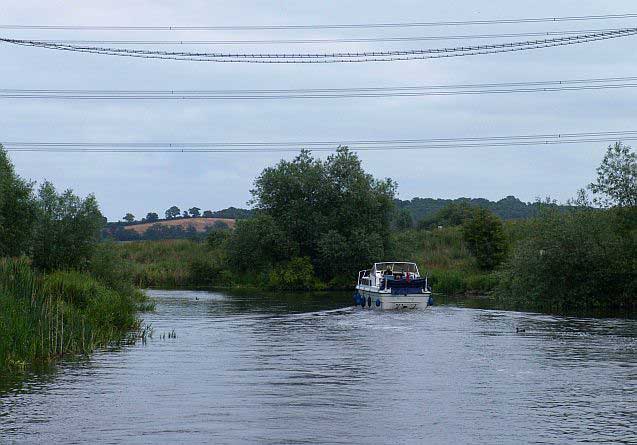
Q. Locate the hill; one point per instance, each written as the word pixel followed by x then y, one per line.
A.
pixel 506 208
pixel 199 224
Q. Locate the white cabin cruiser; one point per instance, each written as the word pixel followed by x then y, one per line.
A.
pixel 393 285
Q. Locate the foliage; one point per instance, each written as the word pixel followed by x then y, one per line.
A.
pixel 195 212
pixel 217 238
pixel 258 243
pixel 67 229
pixel 151 217
pixel 442 254
pixel 404 220
pixel 484 236
pixel 453 214
pixel 17 210
pixel 46 317
pixel 173 212
pixel 578 260
pixel 129 218
pixel 314 203
pixel 616 183
pixel 296 274
pixel 509 208
pixel 207 214
pixel 232 213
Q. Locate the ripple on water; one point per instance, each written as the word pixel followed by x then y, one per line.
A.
pixel 291 369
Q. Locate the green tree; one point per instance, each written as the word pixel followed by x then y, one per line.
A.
pixel 616 183
pixel 129 218
pixel 17 210
pixel 404 220
pixel 307 198
pixel 484 236
pixel 208 214
pixel 173 212
pixel 579 259
pixel 152 217
pixel 258 243
pixel 67 229
pixel 195 212
pixel 452 214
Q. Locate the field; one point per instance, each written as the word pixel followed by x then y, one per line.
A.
pixel 200 224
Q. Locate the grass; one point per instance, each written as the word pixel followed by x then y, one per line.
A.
pixel 45 317
pixel 443 256
pixel 172 263
pixel 441 253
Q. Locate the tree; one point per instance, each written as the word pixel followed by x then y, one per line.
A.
pixel 129 218
pixel 67 229
pixel 404 220
pixel 185 214
pixel 208 214
pixel 452 214
pixel 616 183
pixel 195 212
pixel 308 198
pixel 258 243
pixel 173 212
pixel 17 210
pixel 152 217
pixel 484 235
pixel 578 259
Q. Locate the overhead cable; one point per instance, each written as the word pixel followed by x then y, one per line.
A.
pixel 356 145
pixel 335 57
pixel 322 26
pixel 328 93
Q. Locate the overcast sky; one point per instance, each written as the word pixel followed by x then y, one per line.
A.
pixel 140 183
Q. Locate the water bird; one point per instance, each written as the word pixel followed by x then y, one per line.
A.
pixel 520 330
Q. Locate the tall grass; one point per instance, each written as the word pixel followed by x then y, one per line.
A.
pixel 174 263
pixel 44 317
pixel 444 257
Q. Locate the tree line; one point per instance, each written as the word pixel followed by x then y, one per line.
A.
pixel 174 212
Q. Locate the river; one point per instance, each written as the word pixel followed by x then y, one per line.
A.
pixel 312 369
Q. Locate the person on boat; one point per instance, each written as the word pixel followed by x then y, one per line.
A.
pixel 388 271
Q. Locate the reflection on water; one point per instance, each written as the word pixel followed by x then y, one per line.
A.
pixel 249 368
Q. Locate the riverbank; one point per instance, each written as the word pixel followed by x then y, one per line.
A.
pixel 171 264
pixel 44 317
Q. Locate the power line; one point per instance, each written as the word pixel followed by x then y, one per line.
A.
pixel 355 145
pixel 316 41
pixel 320 26
pixel 336 57
pixel 328 93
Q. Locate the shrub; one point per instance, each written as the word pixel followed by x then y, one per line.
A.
pixel 576 260
pixel 296 274
pixel 484 236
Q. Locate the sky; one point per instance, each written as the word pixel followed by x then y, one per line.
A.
pixel 145 182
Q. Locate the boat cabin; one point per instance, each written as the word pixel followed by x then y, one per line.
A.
pixel 394 271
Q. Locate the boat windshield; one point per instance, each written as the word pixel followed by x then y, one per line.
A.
pixel 397 267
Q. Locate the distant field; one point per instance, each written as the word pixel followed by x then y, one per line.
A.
pixel 200 224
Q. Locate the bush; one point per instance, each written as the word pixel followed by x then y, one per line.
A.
pixel 582 259
pixel 258 243
pixel 67 229
pixel 296 274
pixel 484 236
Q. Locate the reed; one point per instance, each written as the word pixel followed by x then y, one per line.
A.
pixel 45 317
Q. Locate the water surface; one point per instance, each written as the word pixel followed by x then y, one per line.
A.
pixel 307 369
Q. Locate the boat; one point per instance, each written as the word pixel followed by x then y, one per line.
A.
pixel 393 285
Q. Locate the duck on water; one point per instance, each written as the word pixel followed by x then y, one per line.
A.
pixel 393 285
